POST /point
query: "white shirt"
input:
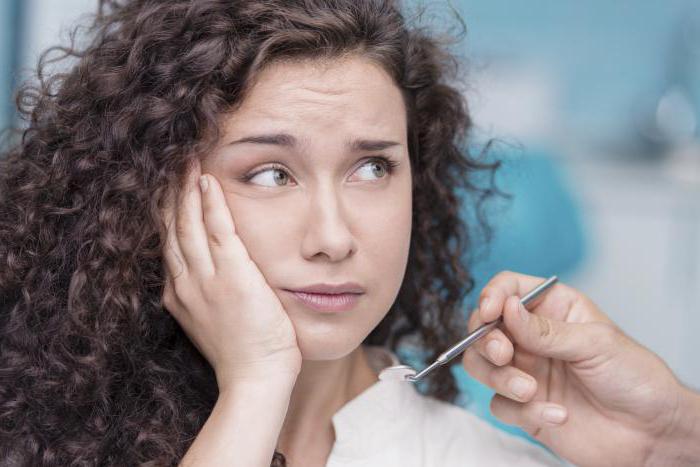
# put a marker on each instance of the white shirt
(392, 424)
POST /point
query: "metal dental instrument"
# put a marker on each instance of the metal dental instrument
(406, 373)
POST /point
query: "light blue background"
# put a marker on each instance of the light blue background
(8, 52)
(608, 55)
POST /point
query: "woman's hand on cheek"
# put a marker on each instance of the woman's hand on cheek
(568, 376)
(217, 293)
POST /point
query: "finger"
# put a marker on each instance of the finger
(227, 249)
(504, 285)
(547, 337)
(507, 381)
(495, 345)
(172, 254)
(183, 318)
(529, 415)
(167, 299)
(531, 363)
(516, 356)
(170, 300)
(190, 229)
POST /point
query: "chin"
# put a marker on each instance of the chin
(315, 345)
(334, 336)
(318, 342)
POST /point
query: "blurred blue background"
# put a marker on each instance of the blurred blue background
(594, 108)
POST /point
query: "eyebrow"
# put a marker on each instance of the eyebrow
(289, 141)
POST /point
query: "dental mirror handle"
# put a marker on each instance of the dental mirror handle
(460, 346)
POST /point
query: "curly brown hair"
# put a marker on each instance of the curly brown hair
(93, 372)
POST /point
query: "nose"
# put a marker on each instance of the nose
(327, 233)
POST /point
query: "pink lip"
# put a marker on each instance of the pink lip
(327, 303)
(345, 287)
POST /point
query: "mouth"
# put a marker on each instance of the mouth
(321, 298)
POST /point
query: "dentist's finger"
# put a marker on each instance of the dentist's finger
(508, 381)
(571, 342)
(504, 284)
(495, 345)
(529, 415)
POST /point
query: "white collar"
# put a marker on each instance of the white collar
(377, 415)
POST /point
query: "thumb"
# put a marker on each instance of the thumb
(562, 340)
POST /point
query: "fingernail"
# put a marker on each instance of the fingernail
(554, 414)
(484, 303)
(204, 183)
(519, 386)
(493, 348)
(524, 314)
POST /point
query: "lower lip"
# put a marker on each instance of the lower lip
(327, 303)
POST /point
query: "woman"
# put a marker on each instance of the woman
(146, 323)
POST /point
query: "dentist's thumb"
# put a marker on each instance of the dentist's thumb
(558, 339)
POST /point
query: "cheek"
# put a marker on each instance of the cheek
(385, 218)
(385, 236)
(263, 227)
(386, 233)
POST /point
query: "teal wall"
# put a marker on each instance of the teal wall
(9, 34)
(610, 57)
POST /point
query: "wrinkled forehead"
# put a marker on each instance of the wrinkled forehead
(325, 101)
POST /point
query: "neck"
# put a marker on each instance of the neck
(321, 389)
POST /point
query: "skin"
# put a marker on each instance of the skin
(331, 219)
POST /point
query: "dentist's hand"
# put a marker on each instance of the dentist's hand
(616, 399)
(217, 293)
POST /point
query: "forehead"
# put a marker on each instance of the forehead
(349, 95)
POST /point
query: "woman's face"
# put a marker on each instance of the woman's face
(326, 212)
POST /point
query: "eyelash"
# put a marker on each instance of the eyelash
(388, 163)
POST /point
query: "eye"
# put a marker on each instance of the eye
(270, 176)
(276, 175)
(377, 166)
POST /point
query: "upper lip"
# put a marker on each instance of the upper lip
(345, 287)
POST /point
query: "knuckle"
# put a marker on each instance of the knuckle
(492, 379)
(489, 289)
(503, 275)
(217, 239)
(180, 291)
(180, 266)
(167, 300)
(497, 408)
(544, 327)
(605, 333)
(211, 290)
(170, 301)
(180, 230)
(166, 212)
